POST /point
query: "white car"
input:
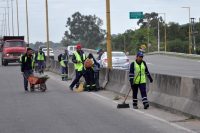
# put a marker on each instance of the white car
(51, 53)
(71, 50)
(119, 60)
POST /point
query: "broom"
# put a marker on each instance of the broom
(124, 105)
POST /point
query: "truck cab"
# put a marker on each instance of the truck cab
(12, 49)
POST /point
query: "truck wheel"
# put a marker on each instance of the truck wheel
(4, 63)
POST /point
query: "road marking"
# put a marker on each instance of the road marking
(149, 115)
(198, 61)
(149, 63)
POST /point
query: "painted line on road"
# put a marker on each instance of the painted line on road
(149, 63)
(149, 115)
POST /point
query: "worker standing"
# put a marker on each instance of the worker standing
(89, 73)
(63, 59)
(27, 67)
(137, 76)
(78, 59)
(40, 59)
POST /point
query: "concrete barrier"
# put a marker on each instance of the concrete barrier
(172, 92)
(118, 81)
(178, 93)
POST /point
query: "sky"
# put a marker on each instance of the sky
(60, 10)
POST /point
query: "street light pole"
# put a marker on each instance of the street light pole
(12, 18)
(165, 30)
(17, 17)
(27, 25)
(47, 28)
(5, 27)
(108, 38)
(189, 31)
(8, 18)
(158, 34)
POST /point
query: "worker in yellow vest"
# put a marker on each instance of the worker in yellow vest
(78, 59)
(63, 59)
(27, 67)
(40, 59)
(137, 75)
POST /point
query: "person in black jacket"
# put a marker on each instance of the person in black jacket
(27, 67)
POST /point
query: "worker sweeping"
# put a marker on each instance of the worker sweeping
(78, 59)
(137, 76)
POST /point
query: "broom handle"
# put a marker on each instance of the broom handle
(127, 95)
(129, 90)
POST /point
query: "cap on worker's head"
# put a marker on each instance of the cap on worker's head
(28, 49)
(140, 54)
(78, 46)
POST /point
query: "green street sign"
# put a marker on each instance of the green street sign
(136, 15)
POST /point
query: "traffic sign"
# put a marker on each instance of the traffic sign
(136, 15)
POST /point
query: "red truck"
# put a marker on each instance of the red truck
(12, 49)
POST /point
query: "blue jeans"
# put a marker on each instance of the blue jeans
(27, 73)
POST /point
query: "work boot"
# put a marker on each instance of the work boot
(146, 105)
(135, 107)
(70, 88)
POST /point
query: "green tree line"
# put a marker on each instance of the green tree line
(87, 29)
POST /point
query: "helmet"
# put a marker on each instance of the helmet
(140, 54)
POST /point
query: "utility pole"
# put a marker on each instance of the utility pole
(8, 18)
(27, 25)
(12, 18)
(190, 48)
(109, 48)
(17, 17)
(193, 33)
(47, 28)
(158, 34)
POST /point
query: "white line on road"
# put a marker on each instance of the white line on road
(149, 115)
(149, 63)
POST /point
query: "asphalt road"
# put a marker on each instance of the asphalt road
(169, 65)
(61, 111)
(172, 65)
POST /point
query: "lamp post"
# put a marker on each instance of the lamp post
(165, 30)
(12, 18)
(189, 31)
(5, 28)
(47, 28)
(27, 25)
(108, 38)
(8, 18)
(17, 17)
(158, 34)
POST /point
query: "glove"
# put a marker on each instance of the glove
(151, 80)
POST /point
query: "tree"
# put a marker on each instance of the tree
(84, 29)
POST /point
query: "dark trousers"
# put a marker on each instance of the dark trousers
(142, 88)
(27, 73)
(89, 78)
(96, 78)
(79, 74)
(64, 72)
(41, 66)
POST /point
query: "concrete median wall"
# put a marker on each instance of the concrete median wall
(172, 92)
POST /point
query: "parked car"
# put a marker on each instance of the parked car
(51, 53)
(71, 50)
(119, 60)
